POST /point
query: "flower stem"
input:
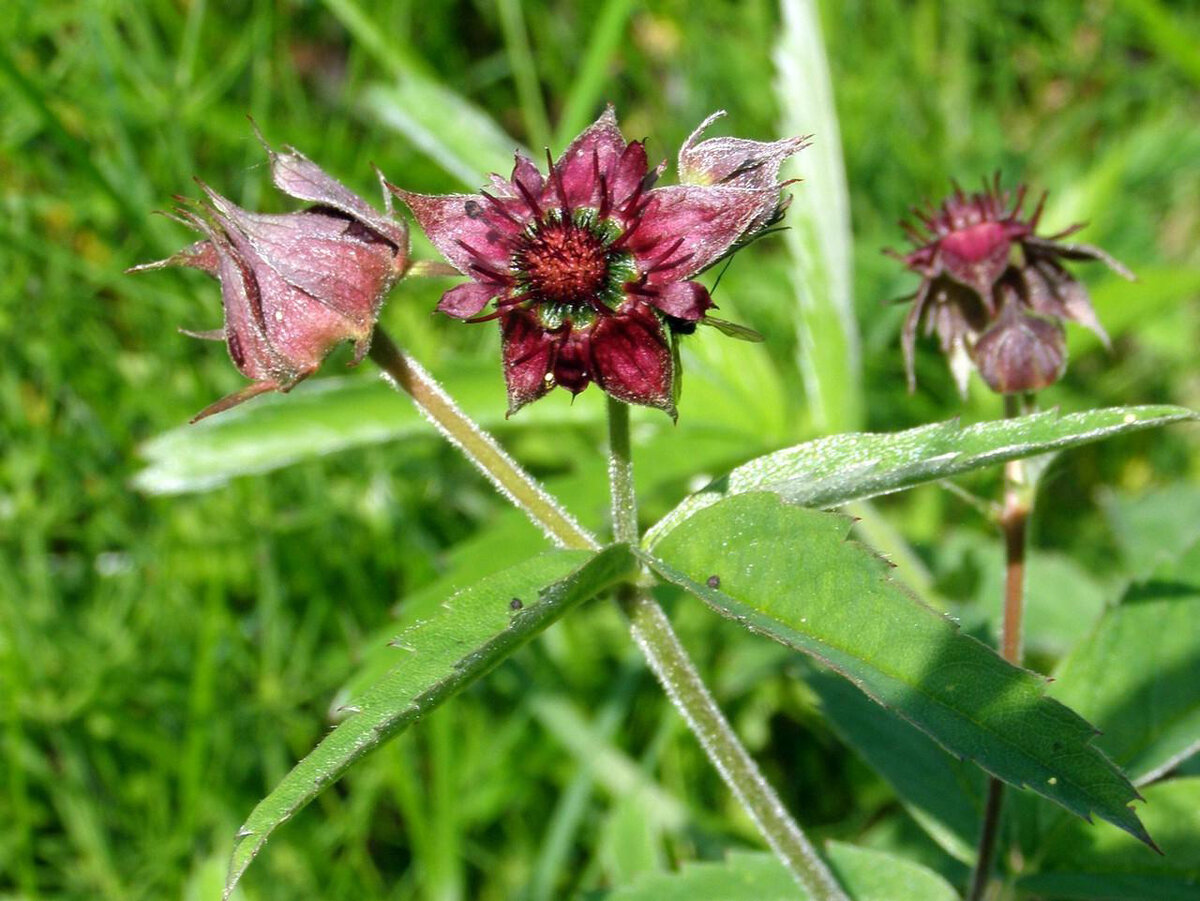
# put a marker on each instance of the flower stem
(525, 492)
(1013, 520)
(649, 624)
(678, 675)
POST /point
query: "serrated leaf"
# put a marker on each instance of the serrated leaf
(789, 573)
(865, 874)
(1101, 864)
(439, 656)
(841, 468)
(1137, 675)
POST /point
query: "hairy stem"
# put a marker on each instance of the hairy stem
(649, 624)
(1014, 519)
(677, 673)
(524, 491)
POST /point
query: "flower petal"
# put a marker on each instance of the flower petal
(466, 300)
(627, 174)
(466, 230)
(298, 176)
(736, 162)
(299, 327)
(529, 352)
(331, 258)
(632, 360)
(683, 300)
(686, 228)
(1053, 291)
(600, 143)
(573, 362)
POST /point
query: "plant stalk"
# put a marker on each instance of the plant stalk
(678, 675)
(1014, 521)
(526, 493)
(649, 624)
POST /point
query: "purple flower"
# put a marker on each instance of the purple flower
(589, 269)
(296, 284)
(994, 292)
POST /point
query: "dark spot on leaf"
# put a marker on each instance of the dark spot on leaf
(515, 604)
(472, 209)
(713, 582)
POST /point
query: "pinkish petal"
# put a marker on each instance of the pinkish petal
(597, 150)
(466, 300)
(528, 351)
(1054, 292)
(467, 231)
(299, 328)
(632, 360)
(976, 255)
(736, 162)
(335, 260)
(683, 300)
(298, 176)
(573, 362)
(245, 338)
(526, 174)
(627, 174)
(686, 228)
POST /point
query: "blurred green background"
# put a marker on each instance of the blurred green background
(167, 652)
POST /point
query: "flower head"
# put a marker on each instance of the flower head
(994, 292)
(296, 284)
(590, 267)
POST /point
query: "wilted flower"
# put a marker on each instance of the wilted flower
(590, 268)
(994, 292)
(293, 285)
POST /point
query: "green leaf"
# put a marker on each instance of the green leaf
(841, 468)
(1136, 675)
(818, 233)
(1098, 863)
(867, 875)
(944, 794)
(470, 634)
(789, 573)
(1155, 527)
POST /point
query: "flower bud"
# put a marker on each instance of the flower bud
(994, 291)
(293, 285)
(1020, 352)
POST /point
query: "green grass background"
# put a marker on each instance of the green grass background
(165, 659)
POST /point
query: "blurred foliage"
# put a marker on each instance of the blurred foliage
(165, 660)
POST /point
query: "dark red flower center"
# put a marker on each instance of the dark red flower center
(564, 263)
